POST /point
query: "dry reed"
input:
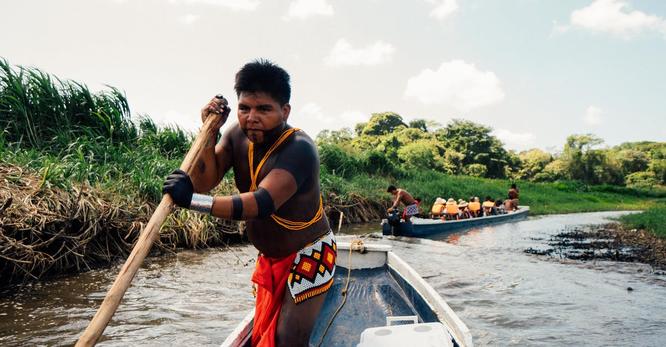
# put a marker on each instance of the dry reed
(45, 231)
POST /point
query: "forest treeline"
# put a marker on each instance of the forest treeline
(387, 145)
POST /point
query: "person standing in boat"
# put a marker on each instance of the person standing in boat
(513, 196)
(276, 170)
(402, 196)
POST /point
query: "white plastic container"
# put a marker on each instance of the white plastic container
(422, 335)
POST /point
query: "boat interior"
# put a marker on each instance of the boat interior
(372, 296)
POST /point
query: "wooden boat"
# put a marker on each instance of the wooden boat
(420, 227)
(381, 289)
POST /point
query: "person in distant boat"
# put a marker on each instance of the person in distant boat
(418, 205)
(438, 208)
(508, 206)
(474, 207)
(499, 207)
(488, 206)
(402, 196)
(464, 211)
(513, 196)
(452, 210)
(276, 170)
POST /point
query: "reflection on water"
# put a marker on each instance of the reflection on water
(194, 298)
(505, 296)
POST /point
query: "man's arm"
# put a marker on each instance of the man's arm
(213, 164)
(397, 200)
(275, 189)
(214, 161)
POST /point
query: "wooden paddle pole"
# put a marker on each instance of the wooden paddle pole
(149, 234)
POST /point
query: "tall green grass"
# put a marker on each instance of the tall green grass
(71, 135)
(653, 219)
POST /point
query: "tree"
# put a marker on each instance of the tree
(343, 135)
(658, 167)
(382, 124)
(453, 162)
(643, 180)
(422, 154)
(632, 160)
(420, 124)
(358, 128)
(553, 171)
(476, 170)
(478, 146)
(533, 162)
(579, 158)
(586, 163)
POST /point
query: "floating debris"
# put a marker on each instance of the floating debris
(606, 242)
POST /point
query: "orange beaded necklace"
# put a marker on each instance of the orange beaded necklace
(254, 174)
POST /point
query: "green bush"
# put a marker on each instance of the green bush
(475, 170)
(642, 180)
(337, 161)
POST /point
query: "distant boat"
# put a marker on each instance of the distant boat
(382, 290)
(420, 227)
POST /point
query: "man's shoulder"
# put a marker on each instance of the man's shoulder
(301, 142)
(302, 136)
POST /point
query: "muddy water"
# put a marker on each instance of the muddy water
(506, 296)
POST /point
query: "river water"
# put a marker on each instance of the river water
(504, 295)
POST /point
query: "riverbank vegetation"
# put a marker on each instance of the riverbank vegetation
(79, 176)
(652, 219)
(463, 159)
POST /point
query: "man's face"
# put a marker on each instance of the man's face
(394, 192)
(259, 113)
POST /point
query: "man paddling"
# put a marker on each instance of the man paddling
(276, 170)
(401, 195)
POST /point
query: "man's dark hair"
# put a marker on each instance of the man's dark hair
(391, 189)
(513, 185)
(488, 198)
(262, 75)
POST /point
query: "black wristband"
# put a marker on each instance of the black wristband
(237, 205)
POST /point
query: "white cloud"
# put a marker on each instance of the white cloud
(312, 118)
(593, 115)
(188, 18)
(189, 122)
(515, 140)
(443, 8)
(237, 5)
(344, 54)
(616, 17)
(301, 9)
(456, 83)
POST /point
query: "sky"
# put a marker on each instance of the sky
(534, 71)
